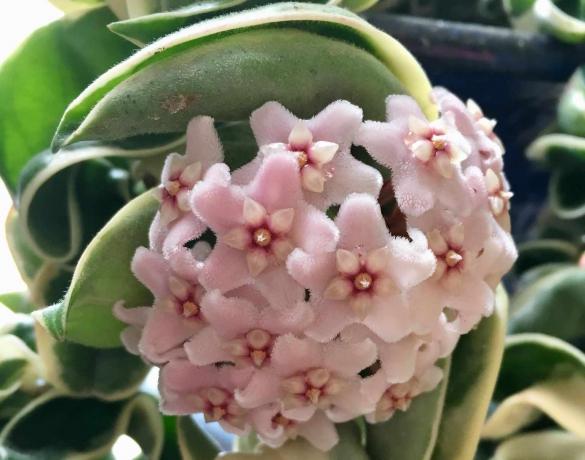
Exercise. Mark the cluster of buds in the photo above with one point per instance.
(304, 309)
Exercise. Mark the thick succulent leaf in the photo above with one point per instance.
(571, 110)
(561, 400)
(17, 302)
(553, 304)
(194, 444)
(446, 423)
(109, 374)
(102, 277)
(533, 358)
(56, 427)
(142, 30)
(12, 321)
(115, 106)
(565, 23)
(567, 194)
(542, 445)
(546, 251)
(66, 198)
(350, 447)
(20, 367)
(474, 369)
(558, 150)
(38, 81)
(411, 435)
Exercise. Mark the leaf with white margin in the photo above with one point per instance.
(102, 110)
(37, 82)
(194, 443)
(20, 367)
(103, 277)
(109, 374)
(539, 374)
(56, 427)
(475, 364)
(562, 25)
(545, 251)
(66, 197)
(553, 304)
(571, 109)
(446, 423)
(562, 400)
(349, 447)
(542, 445)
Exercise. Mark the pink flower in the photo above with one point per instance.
(363, 280)
(186, 389)
(273, 428)
(257, 226)
(180, 173)
(176, 315)
(426, 158)
(321, 147)
(243, 328)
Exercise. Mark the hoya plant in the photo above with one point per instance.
(260, 222)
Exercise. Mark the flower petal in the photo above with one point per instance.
(272, 123)
(331, 317)
(348, 359)
(203, 143)
(291, 355)
(338, 122)
(205, 348)
(225, 269)
(361, 224)
(389, 318)
(152, 270)
(313, 272)
(231, 316)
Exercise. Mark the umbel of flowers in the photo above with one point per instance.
(313, 306)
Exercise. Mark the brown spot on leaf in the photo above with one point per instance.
(177, 103)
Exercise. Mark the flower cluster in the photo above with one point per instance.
(328, 291)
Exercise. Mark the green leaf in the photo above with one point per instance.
(567, 194)
(531, 358)
(542, 445)
(545, 251)
(194, 444)
(38, 81)
(410, 435)
(185, 78)
(554, 304)
(56, 427)
(18, 302)
(11, 372)
(67, 197)
(561, 400)
(565, 26)
(571, 110)
(474, 370)
(558, 150)
(446, 423)
(20, 367)
(103, 277)
(109, 374)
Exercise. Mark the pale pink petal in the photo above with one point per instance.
(152, 270)
(301, 414)
(225, 269)
(277, 184)
(361, 224)
(348, 359)
(313, 231)
(402, 107)
(156, 234)
(350, 404)
(230, 317)
(205, 348)
(136, 316)
(412, 260)
(245, 174)
(184, 264)
(426, 302)
(313, 272)
(399, 359)
(203, 143)
(389, 318)
(188, 227)
(216, 202)
(291, 354)
(272, 123)
(319, 431)
(338, 122)
(384, 142)
(262, 389)
(164, 332)
(130, 338)
(279, 288)
(374, 387)
(172, 167)
(330, 319)
(351, 176)
(449, 103)
(294, 319)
